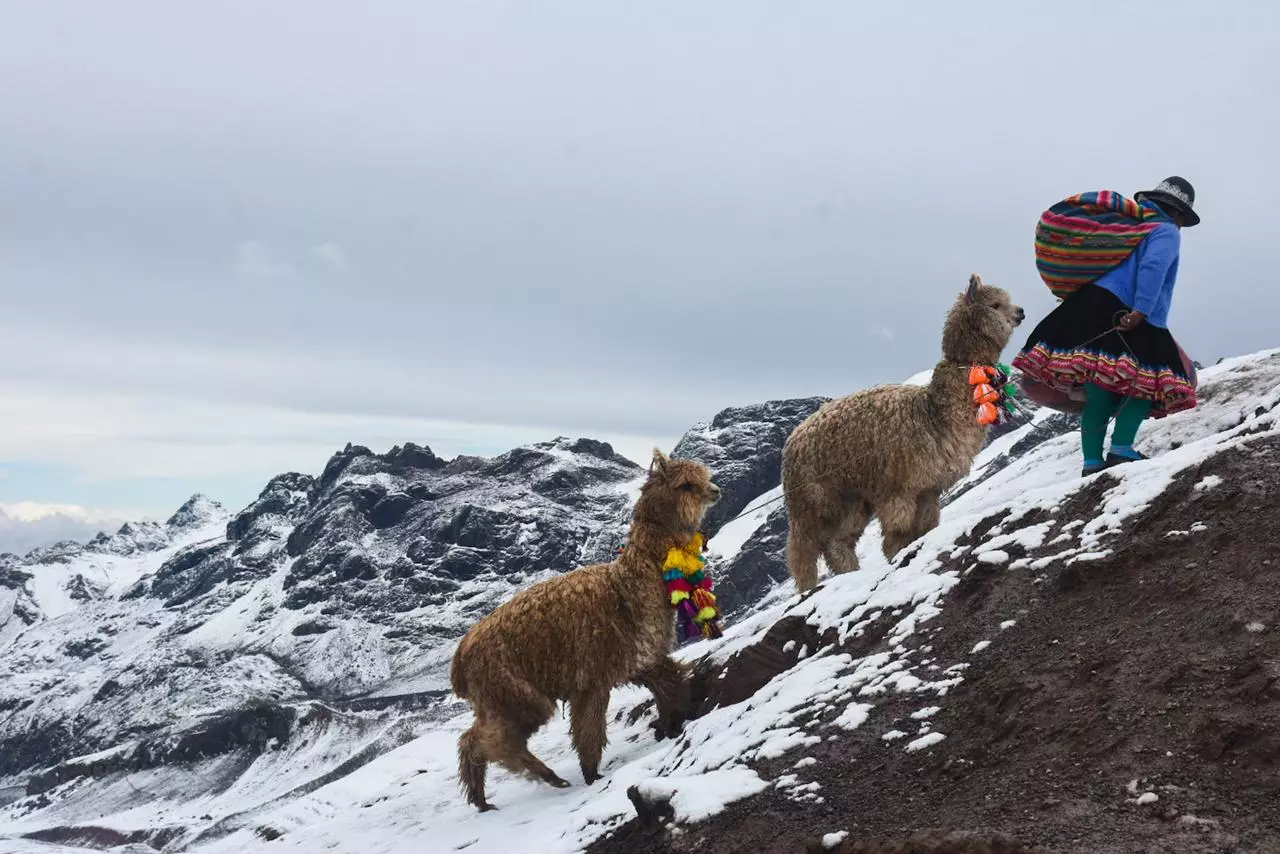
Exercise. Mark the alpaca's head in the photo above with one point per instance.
(677, 494)
(980, 324)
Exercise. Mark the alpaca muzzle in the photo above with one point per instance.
(1018, 316)
(713, 494)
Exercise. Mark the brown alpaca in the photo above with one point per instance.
(578, 636)
(892, 450)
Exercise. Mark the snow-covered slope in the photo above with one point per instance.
(246, 715)
(56, 579)
(325, 610)
(413, 791)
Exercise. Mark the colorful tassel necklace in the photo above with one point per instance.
(993, 393)
(689, 588)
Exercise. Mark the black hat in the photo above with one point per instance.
(1175, 192)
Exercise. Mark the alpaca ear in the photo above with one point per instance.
(659, 463)
(972, 293)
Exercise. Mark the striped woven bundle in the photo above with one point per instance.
(1087, 235)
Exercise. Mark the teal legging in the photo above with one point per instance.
(1100, 406)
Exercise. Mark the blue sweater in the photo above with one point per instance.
(1144, 282)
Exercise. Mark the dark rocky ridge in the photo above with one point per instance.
(743, 447)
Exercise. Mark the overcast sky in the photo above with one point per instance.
(235, 236)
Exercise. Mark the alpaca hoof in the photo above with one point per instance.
(668, 728)
(590, 775)
(486, 807)
(558, 782)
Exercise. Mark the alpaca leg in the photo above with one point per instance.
(804, 548)
(515, 756)
(472, 765)
(928, 512)
(897, 520)
(588, 728)
(810, 516)
(508, 743)
(668, 681)
(841, 552)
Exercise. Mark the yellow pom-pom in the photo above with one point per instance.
(686, 563)
(678, 596)
(706, 614)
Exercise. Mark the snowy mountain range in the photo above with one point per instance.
(29, 525)
(275, 678)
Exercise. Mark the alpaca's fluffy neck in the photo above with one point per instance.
(637, 573)
(951, 397)
(647, 547)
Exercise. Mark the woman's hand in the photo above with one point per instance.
(1131, 320)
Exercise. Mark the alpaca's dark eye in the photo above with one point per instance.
(689, 487)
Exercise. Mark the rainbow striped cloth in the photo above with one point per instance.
(1089, 234)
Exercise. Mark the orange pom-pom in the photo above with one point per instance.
(985, 394)
(988, 414)
(979, 375)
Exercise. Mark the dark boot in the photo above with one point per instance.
(1121, 459)
(1094, 468)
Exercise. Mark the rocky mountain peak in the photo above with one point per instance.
(195, 512)
(743, 447)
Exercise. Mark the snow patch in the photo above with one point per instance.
(730, 539)
(854, 716)
(924, 742)
(698, 797)
(831, 840)
(1208, 482)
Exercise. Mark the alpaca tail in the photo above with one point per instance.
(802, 560)
(472, 765)
(458, 671)
(807, 509)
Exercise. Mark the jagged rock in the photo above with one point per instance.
(756, 568)
(81, 589)
(277, 508)
(391, 509)
(192, 572)
(12, 575)
(411, 456)
(743, 447)
(198, 511)
(254, 727)
(59, 552)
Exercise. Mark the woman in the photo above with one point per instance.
(1112, 337)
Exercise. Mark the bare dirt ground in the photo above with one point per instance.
(1133, 708)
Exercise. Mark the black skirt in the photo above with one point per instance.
(1077, 344)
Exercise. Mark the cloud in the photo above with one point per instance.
(331, 255)
(34, 511)
(258, 261)
(104, 441)
(27, 525)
